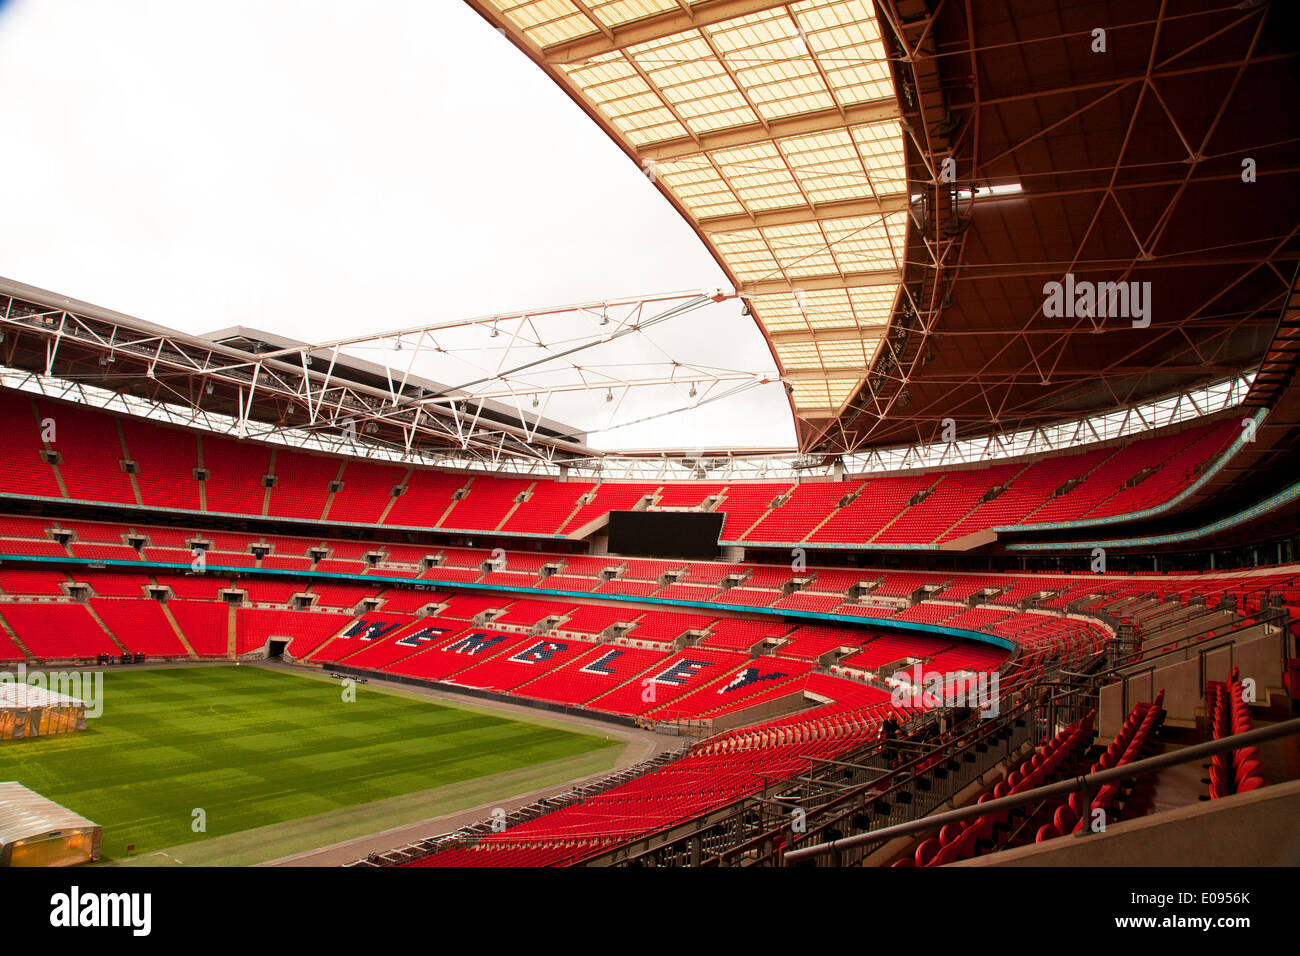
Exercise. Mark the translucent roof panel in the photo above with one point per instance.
(774, 127)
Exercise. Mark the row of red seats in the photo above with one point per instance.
(661, 627)
(1139, 727)
(523, 568)
(960, 841)
(1227, 712)
(183, 469)
(713, 775)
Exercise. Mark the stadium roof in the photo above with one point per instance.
(804, 143)
(774, 128)
(257, 381)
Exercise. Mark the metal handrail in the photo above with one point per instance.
(1088, 783)
(960, 739)
(896, 779)
(1200, 653)
(1229, 631)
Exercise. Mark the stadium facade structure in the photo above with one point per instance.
(1110, 531)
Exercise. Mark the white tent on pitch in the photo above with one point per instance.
(36, 831)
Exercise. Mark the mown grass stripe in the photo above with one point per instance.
(255, 747)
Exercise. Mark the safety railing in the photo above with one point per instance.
(1226, 643)
(833, 852)
(887, 781)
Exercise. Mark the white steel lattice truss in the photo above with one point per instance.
(350, 419)
(312, 388)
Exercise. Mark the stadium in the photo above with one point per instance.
(956, 525)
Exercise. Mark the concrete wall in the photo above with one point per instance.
(767, 710)
(1184, 692)
(1114, 706)
(1178, 632)
(1255, 652)
(1259, 659)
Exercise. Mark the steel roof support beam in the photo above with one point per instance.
(824, 212)
(647, 29)
(806, 124)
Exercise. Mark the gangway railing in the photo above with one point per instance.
(834, 851)
(891, 783)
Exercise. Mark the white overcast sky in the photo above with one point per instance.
(325, 168)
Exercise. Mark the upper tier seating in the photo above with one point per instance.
(881, 501)
(365, 492)
(23, 471)
(235, 473)
(486, 503)
(806, 508)
(956, 495)
(609, 496)
(194, 471)
(1022, 500)
(744, 504)
(160, 456)
(548, 507)
(302, 484)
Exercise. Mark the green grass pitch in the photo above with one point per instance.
(252, 746)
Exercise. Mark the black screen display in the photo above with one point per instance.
(665, 534)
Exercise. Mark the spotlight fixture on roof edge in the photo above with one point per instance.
(981, 192)
(991, 192)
